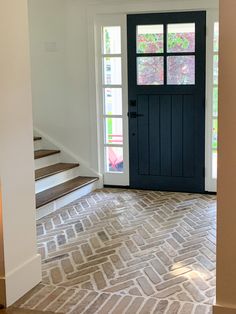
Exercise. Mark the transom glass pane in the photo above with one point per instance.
(111, 40)
(150, 39)
(114, 159)
(150, 70)
(114, 131)
(112, 70)
(181, 37)
(113, 101)
(181, 70)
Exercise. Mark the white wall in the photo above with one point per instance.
(48, 66)
(18, 226)
(60, 78)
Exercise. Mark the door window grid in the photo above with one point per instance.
(165, 54)
(214, 144)
(112, 100)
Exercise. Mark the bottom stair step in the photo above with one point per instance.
(52, 194)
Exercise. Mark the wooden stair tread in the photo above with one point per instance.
(37, 138)
(54, 169)
(44, 153)
(52, 194)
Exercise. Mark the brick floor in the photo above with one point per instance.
(128, 251)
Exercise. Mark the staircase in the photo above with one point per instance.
(57, 183)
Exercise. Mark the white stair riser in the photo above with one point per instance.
(65, 200)
(56, 179)
(46, 161)
(38, 145)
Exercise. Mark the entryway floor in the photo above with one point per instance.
(128, 251)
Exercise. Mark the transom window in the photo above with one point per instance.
(166, 54)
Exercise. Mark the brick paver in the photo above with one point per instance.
(116, 250)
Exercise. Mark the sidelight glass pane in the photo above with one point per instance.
(111, 40)
(114, 131)
(181, 70)
(215, 69)
(181, 37)
(216, 36)
(215, 101)
(114, 159)
(214, 134)
(150, 39)
(214, 164)
(112, 70)
(113, 101)
(150, 70)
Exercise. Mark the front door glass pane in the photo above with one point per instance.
(150, 70)
(150, 39)
(181, 37)
(181, 70)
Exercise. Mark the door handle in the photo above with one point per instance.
(134, 115)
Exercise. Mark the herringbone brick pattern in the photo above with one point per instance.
(128, 251)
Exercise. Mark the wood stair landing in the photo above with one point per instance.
(52, 194)
(44, 153)
(52, 170)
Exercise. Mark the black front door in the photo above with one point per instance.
(166, 68)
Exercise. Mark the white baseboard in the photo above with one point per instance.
(21, 280)
(65, 200)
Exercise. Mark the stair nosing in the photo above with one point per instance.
(52, 152)
(73, 165)
(92, 179)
